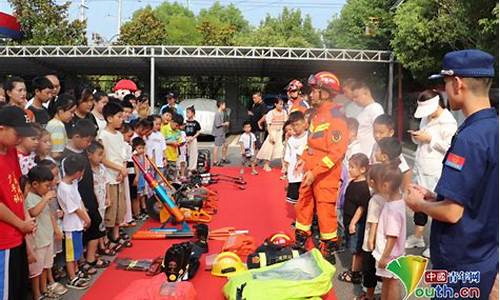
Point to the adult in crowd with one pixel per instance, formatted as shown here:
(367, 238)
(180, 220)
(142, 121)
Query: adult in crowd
(464, 207)
(273, 145)
(84, 105)
(55, 92)
(2, 93)
(100, 100)
(257, 111)
(171, 102)
(42, 89)
(15, 94)
(362, 96)
(437, 127)
(351, 109)
(295, 100)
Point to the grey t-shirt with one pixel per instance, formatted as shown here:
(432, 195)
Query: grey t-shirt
(44, 235)
(218, 129)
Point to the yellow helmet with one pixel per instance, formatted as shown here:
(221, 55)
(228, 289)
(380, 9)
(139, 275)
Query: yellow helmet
(227, 264)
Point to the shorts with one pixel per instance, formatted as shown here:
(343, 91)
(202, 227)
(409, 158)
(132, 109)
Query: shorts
(73, 245)
(354, 242)
(369, 270)
(96, 229)
(115, 213)
(132, 188)
(219, 140)
(44, 260)
(14, 273)
(292, 192)
(247, 161)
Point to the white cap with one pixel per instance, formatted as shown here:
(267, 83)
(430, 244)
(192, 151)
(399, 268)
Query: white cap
(426, 108)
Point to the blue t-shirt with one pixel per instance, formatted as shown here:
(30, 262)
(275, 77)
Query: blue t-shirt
(470, 178)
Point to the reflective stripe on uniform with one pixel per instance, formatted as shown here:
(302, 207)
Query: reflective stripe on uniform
(321, 127)
(328, 236)
(305, 228)
(328, 162)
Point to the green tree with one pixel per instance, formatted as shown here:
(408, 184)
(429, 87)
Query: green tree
(349, 29)
(289, 29)
(180, 24)
(44, 22)
(426, 29)
(220, 25)
(145, 28)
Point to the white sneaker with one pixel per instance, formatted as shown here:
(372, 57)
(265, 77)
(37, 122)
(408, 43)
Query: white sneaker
(427, 253)
(413, 242)
(57, 288)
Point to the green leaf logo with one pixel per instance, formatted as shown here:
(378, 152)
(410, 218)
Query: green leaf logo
(410, 270)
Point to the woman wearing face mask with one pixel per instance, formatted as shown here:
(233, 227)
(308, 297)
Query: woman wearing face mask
(437, 127)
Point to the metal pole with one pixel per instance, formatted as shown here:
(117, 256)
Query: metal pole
(152, 80)
(390, 86)
(400, 106)
(119, 15)
(83, 7)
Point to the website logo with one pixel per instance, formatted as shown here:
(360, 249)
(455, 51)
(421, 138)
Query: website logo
(409, 269)
(439, 284)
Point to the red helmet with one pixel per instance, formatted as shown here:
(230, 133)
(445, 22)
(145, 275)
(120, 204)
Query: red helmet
(325, 80)
(294, 85)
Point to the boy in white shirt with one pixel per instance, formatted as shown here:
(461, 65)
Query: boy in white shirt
(293, 149)
(155, 143)
(247, 145)
(383, 127)
(362, 96)
(75, 219)
(115, 163)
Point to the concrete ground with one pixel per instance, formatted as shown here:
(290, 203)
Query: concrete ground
(343, 291)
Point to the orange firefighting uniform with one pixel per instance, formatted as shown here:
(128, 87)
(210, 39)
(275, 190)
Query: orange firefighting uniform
(298, 104)
(326, 146)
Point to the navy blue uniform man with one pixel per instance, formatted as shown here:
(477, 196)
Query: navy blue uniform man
(464, 207)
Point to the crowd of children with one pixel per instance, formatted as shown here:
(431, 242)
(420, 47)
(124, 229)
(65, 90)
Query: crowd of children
(80, 184)
(371, 213)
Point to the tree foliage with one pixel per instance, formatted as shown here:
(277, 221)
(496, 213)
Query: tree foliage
(180, 24)
(426, 29)
(44, 22)
(289, 29)
(348, 30)
(145, 28)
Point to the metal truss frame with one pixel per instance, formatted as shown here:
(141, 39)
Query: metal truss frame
(348, 55)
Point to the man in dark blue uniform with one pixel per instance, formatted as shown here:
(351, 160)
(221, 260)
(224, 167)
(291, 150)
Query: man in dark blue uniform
(464, 208)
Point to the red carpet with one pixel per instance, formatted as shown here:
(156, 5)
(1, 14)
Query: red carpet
(260, 208)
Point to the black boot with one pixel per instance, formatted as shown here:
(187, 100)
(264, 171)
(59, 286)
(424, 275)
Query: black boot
(300, 240)
(328, 250)
(201, 237)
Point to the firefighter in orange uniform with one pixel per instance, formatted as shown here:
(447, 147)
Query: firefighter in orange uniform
(295, 99)
(321, 162)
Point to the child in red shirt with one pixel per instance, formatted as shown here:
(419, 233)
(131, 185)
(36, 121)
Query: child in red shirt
(13, 223)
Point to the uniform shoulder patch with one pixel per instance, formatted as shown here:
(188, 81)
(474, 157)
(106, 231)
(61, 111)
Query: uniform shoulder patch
(454, 161)
(336, 136)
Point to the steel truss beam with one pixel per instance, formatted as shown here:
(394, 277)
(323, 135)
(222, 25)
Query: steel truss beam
(349, 55)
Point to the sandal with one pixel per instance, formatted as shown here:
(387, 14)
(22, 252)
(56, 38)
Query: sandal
(124, 235)
(123, 243)
(99, 263)
(108, 251)
(350, 276)
(88, 269)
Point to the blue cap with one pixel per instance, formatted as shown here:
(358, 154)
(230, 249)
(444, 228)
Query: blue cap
(467, 63)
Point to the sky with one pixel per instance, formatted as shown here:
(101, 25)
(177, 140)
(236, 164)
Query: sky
(102, 14)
